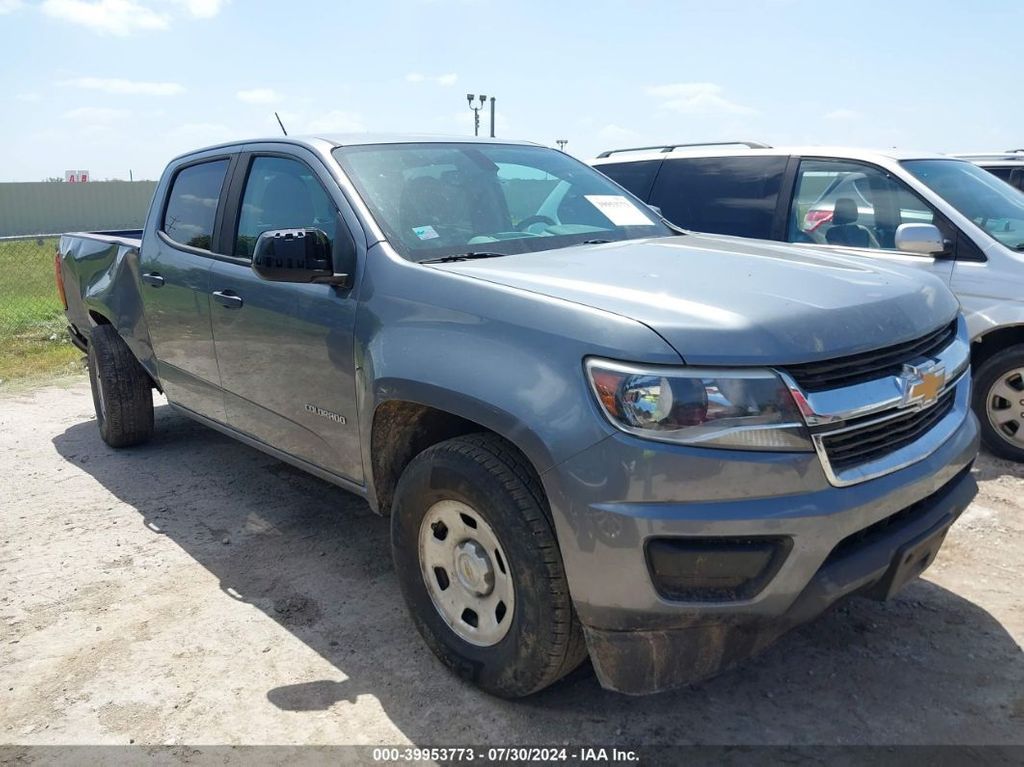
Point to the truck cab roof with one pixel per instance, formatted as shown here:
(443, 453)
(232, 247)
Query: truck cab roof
(319, 142)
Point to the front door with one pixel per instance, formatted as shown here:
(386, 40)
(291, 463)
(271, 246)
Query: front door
(175, 273)
(285, 350)
(853, 205)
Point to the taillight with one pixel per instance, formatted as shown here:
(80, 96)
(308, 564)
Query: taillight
(816, 218)
(59, 276)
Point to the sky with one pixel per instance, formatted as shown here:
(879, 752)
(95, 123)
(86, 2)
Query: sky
(112, 86)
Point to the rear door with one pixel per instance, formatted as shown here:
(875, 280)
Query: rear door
(175, 262)
(286, 350)
(721, 195)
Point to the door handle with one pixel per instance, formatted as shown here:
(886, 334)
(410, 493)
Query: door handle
(227, 299)
(153, 278)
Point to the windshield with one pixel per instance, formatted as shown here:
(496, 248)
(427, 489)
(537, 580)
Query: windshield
(992, 204)
(437, 199)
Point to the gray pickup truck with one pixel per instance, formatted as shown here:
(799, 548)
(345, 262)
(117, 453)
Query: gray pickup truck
(593, 433)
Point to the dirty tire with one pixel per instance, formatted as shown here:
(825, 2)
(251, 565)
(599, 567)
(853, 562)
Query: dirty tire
(545, 641)
(985, 377)
(121, 390)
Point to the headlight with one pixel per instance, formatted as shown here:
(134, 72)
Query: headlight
(743, 409)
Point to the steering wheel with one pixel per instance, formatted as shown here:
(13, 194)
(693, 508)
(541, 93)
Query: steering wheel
(531, 220)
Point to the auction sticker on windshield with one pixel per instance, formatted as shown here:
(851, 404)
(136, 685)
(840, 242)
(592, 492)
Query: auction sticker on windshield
(425, 232)
(618, 209)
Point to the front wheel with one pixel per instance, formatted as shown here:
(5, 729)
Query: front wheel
(999, 402)
(480, 569)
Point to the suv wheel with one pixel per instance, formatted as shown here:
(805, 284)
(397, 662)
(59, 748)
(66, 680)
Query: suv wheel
(999, 402)
(121, 390)
(480, 569)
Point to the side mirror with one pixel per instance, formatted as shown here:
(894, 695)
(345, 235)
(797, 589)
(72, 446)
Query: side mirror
(925, 239)
(295, 255)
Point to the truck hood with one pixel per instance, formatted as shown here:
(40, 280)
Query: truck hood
(725, 300)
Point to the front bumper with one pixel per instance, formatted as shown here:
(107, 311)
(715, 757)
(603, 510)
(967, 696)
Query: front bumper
(641, 642)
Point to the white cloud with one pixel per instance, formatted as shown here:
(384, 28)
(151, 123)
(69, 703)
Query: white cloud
(696, 98)
(123, 17)
(94, 114)
(10, 6)
(258, 96)
(445, 80)
(843, 114)
(29, 97)
(122, 87)
(116, 17)
(337, 121)
(203, 9)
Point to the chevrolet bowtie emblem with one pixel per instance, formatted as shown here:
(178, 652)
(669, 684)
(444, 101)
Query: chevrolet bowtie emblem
(921, 384)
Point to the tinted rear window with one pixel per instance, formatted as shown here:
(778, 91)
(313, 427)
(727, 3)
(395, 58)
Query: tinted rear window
(723, 195)
(637, 177)
(192, 204)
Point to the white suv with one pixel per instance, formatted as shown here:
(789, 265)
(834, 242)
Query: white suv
(942, 214)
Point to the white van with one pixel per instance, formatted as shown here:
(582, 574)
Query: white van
(946, 215)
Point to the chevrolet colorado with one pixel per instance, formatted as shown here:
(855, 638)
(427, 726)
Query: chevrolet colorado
(593, 433)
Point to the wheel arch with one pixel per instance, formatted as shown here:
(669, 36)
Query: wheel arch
(994, 341)
(407, 423)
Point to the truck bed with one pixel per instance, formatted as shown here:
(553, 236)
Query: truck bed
(101, 281)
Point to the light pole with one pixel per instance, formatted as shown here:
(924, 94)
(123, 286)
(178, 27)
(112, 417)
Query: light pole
(476, 111)
(561, 143)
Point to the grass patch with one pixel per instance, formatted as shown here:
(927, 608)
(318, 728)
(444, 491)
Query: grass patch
(33, 340)
(28, 293)
(24, 360)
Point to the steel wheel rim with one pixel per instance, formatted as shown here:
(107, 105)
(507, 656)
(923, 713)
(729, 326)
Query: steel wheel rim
(1004, 406)
(466, 573)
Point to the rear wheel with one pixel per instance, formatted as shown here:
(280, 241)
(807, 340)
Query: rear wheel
(121, 390)
(999, 402)
(480, 569)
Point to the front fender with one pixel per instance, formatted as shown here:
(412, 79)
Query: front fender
(507, 359)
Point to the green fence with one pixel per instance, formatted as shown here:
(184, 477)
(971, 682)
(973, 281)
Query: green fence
(27, 208)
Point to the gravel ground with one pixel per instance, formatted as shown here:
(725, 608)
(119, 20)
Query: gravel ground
(197, 591)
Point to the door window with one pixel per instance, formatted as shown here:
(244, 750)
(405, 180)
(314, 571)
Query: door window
(853, 205)
(1003, 173)
(281, 193)
(192, 204)
(722, 195)
(637, 177)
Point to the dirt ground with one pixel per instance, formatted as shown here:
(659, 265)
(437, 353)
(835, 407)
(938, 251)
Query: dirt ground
(197, 591)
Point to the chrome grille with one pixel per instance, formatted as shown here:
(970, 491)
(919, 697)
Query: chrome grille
(857, 445)
(857, 368)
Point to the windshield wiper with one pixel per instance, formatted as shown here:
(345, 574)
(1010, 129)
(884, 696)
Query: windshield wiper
(463, 257)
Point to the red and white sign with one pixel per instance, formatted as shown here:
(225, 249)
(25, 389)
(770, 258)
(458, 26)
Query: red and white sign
(76, 176)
